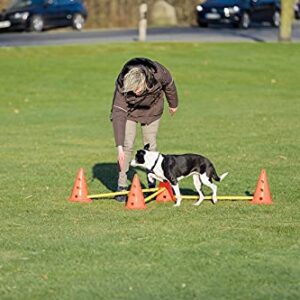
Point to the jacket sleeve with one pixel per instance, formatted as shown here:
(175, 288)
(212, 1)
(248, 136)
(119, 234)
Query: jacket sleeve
(119, 116)
(169, 86)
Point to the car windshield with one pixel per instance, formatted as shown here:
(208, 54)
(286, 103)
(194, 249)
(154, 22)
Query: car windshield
(20, 3)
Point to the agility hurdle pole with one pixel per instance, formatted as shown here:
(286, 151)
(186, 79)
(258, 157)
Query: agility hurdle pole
(154, 195)
(218, 197)
(111, 195)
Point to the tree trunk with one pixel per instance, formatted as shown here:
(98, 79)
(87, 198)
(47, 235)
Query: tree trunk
(287, 17)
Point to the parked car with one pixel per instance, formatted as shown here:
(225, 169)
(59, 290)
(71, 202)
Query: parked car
(36, 15)
(240, 13)
(297, 9)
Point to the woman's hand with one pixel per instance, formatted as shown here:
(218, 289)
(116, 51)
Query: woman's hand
(121, 157)
(172, 110)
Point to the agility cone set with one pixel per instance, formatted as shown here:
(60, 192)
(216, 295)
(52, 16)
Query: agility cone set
(164, 193)
(167, 194)
(136, 198)
(80, 190)
(262, 193)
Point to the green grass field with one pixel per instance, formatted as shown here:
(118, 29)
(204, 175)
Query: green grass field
(239, 106)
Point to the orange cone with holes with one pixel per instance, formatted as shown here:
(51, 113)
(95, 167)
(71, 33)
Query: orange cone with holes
(80, 191)
(167, 194)
(262, 193)
(136, 198)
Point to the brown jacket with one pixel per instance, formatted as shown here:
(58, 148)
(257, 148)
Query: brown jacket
(147, 107)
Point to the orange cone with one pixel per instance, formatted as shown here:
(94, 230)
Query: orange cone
(262, 193)
(80, 191)
(167, 194)
(136, 198)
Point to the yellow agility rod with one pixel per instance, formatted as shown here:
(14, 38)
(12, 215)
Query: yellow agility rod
(157, 191)
(154, 194)
(111, 195)
(218, 197)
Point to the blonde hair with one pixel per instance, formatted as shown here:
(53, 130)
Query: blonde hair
(134, 79)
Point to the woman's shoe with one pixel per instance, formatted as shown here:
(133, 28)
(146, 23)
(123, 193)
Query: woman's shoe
(121, 198)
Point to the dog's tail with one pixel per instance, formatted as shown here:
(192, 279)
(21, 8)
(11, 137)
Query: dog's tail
(223, 176)
(219, 178)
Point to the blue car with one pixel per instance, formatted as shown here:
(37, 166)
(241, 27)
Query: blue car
(37, 15)
(239, 13)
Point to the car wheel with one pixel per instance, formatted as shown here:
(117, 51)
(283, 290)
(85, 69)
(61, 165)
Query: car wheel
(276, 19)
(36, 23)
(78, 21)
(202, 24)
(297, 13)
(245, 21)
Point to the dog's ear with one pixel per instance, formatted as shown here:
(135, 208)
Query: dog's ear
(146, 147)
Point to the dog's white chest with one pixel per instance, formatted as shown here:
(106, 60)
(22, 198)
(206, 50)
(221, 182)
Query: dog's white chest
(158, 171)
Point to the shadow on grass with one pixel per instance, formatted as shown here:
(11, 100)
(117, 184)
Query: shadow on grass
(188, 192)
(107, 174)
(247, 193)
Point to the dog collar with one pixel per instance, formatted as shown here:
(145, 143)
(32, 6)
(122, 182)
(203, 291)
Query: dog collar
(151, 170)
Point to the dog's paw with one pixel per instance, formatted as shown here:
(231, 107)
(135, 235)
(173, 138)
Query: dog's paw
(133, 163)
(197, 203)
(214, 201)
(176, 205)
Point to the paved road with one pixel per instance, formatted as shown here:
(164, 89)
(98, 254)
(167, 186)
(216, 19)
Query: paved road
(185, 34)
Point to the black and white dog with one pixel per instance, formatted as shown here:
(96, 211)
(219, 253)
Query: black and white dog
(173, 168)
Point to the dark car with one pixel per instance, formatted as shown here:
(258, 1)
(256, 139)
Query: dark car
(297, 10)
(240, 13)
(36, 15)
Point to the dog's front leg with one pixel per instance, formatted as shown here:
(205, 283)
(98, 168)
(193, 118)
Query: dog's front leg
(177, 194)
(151, 178)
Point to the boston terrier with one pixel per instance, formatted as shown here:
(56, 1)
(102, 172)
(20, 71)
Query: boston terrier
(173, 168)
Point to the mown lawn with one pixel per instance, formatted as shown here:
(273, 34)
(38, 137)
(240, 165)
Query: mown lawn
(239, 105)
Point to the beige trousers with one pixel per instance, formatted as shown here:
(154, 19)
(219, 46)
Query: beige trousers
(149, 133)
